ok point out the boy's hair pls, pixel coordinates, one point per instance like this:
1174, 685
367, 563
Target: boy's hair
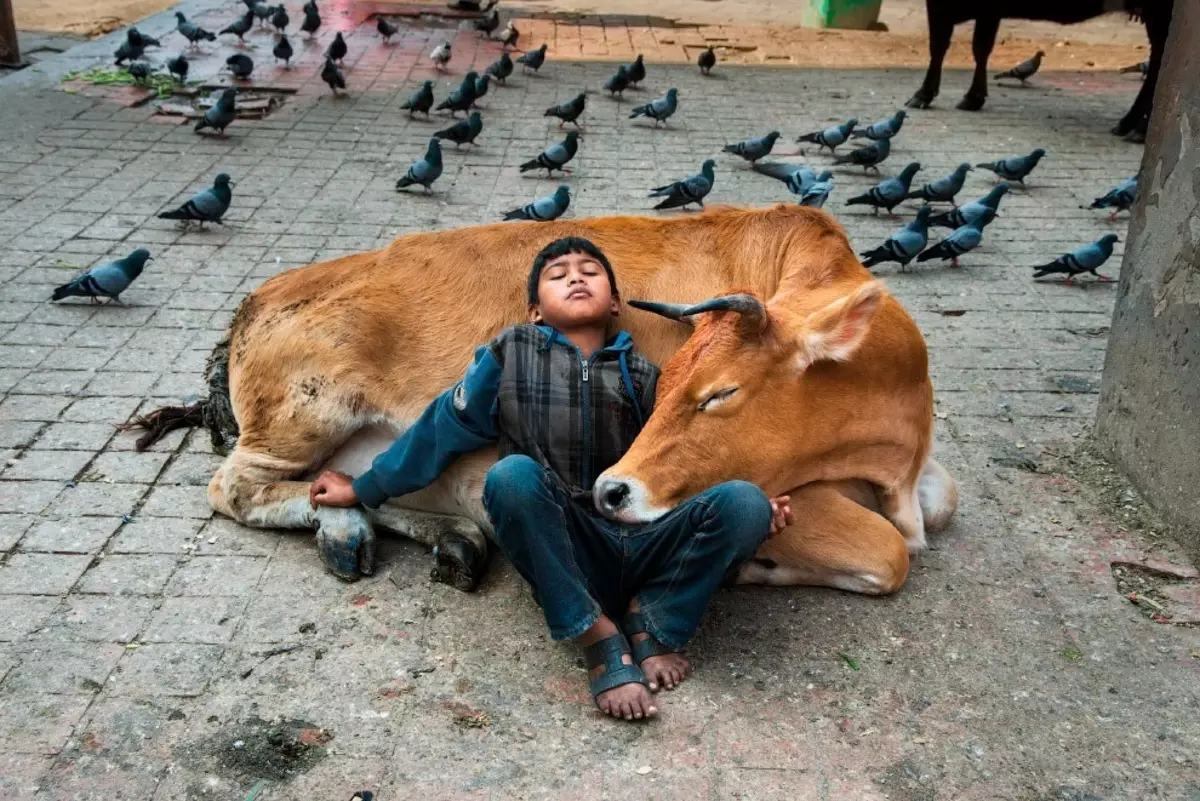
561, 247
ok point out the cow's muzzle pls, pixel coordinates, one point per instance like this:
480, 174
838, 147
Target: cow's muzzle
624, 500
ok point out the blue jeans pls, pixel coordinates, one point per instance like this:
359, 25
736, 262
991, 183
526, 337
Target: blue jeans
581, 564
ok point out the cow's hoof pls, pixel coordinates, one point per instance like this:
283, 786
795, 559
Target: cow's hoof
1137, 136
346, 542
458, 562
971, 102
920, 100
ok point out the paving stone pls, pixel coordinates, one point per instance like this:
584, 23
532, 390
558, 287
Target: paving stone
196, 620
178, 501
13, 527
21, 615
22, 774
63, 667
98, 498
121, 574
156, 535
48, 465
38, 723
72, 535
41, 573
75, 436
28, 497
180, 669
217, 575
99, 618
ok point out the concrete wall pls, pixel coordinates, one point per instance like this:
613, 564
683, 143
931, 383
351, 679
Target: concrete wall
1149, 413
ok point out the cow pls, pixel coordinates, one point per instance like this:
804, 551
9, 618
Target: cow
323, 366
943, 15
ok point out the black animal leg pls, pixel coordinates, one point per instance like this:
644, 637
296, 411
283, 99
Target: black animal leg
941, 28
981, 47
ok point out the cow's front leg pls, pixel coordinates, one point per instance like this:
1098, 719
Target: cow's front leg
459, 544
981, 48
940, 30
1133, 125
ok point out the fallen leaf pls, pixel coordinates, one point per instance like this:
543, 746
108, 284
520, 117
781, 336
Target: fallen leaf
849, 660
953, 312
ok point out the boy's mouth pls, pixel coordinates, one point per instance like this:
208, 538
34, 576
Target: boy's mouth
581, 292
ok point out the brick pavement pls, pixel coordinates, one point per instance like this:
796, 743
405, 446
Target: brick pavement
139, 633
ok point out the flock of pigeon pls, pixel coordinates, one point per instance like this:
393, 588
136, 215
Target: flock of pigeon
911, 242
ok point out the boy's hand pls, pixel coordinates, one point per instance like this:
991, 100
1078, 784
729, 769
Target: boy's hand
332, 489
781, 514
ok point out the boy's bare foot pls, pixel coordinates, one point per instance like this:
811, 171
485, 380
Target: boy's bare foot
629, 701
663, 670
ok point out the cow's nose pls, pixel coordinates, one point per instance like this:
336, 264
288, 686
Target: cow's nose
614, 496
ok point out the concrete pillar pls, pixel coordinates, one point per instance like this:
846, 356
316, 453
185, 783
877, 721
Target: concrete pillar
1149, 416
10, 53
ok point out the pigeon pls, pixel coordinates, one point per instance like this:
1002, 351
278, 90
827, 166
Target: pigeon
818, 191
337, 49
481, 88
312, 20
1026, 69
830, 137
191, 31
240, 65
106, 280
310, 5
706, 61
420, 100
1119, 198
943, 189
426, 170
510, 35
462, 97
869, 156
797, 177
1014, 168
660, 109
141, 71
440, 56
333, 76
262, 12
753, 149
533, 59
501, 68
178, 67
960, 241
280, 18
386, 29
569, 111
129, 51
221, 114
619, 82
487, 25
556, 156
240, 27
1081, 260
884, 129
637, 71
902, 246
207, 206
1142, 67
692, 189
139, 39
983, 210
544, 209
463, 132
889, 193
283, 50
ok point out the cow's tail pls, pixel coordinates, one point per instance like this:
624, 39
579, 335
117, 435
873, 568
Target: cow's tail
214, 412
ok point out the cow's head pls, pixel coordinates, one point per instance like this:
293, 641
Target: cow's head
734, 401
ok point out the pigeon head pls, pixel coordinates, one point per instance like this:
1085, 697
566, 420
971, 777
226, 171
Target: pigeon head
505, 59
562, 194
572, 136
476, 119
850, 123
222, 179
481, 85
772, 136
672, 94
227, 99
900, 115
963, 169
825, 176
470, 78
638, 60
924, 212
910, 170
1039, 55
434, 154
622, 71
179, 16
707, 168
997, 192
133, 264
1108, 240
1037, 154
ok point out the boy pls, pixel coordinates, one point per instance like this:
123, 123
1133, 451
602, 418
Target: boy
565, 400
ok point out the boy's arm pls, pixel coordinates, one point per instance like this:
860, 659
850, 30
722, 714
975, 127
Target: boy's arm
460, 420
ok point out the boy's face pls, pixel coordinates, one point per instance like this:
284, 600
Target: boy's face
573, 292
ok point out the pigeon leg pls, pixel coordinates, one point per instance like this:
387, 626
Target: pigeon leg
1069, 282
1104, 279
954, 262
1112, 216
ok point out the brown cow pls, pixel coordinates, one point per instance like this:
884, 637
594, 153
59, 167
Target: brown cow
327, 364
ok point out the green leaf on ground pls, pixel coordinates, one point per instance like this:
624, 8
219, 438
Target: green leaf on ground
1071, 654
849, 660
161, 83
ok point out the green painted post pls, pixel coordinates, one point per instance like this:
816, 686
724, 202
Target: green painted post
853, 14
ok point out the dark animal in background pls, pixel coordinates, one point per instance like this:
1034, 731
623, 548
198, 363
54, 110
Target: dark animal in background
386, 29
333, 76
337, 49
280, 18
486, 25
283, 50
178, 67
943, 15
706, 61
420, 100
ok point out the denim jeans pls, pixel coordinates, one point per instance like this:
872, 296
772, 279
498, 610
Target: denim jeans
580, 564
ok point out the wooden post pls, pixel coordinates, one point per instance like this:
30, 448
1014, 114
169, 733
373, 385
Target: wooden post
10, 53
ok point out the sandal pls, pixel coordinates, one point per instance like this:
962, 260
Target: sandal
608, 652
634, 624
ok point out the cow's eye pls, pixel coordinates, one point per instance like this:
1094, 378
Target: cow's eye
716, 399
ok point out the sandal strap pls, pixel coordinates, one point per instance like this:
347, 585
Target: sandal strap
608, 652
635, 623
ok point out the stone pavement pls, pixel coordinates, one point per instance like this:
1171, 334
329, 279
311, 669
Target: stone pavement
151, 650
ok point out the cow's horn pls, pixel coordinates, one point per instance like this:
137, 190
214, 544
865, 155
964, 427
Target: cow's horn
750, 307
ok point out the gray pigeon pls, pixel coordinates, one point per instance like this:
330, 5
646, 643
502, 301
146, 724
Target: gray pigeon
533, 59
960, 241
106, 280
544, 209
207, 206
221, 114
753, 149
556, 156
637, 70
462, 97
386, 29
943, 189
884, 129
283, 50
240, 66
178, 67
463, 132
983, 210
139, 39
1119, 198
868, 157
191, 31
240, 27
818, 191
280, 18
332, 75
130, 50
501, 68
692, 189
1026, 69
797, 177
889, 193
706, 61
1014, 168
1081, 260
141, 71
487, 25
510, 35
312, 20
618, 83
426, 170
337, 50
902, 246
660, 109
830, 137
420, 100
569, 111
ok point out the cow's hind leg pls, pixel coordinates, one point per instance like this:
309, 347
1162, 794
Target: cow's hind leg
834, 542
459, 545
981, 48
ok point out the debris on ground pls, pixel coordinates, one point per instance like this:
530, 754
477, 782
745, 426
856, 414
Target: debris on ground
248, 105
464, 716
271, 750
161, 85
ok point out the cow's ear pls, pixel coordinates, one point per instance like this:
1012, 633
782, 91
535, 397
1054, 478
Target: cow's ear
835, 332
